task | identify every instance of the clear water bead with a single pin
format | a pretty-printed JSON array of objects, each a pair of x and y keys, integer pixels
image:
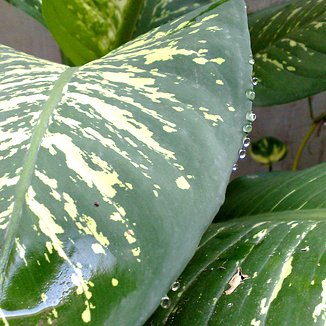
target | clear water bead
[
  {"x": 246, "y": 142},
  {"x": 250, "y": 94},
  {"x": 252, "y": 61},
  {"x": 250, "y": 116},
  {"x": 175, "y": 286},
  {"x": 247, "y": 128},
  {"x": 254, "y": 81},
  {"x": 242, "y": 154},
  {"x": 230, "y": 305},
  {"x": 165, "y": 302},
  {"x": 235, "y": 167}
]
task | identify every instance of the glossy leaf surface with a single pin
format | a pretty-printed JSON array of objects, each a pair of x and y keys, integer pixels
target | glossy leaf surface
[
  {"x": 289, "y": 46},
  {"x": 277, "y": 239},
  {"x": 112, "y": 171},
  {"x": 87, "y": 30},
  {"x": 30, "y": 7}
]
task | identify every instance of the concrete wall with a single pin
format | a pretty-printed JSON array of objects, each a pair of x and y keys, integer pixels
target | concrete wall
[{"x": 287, "y": 122}]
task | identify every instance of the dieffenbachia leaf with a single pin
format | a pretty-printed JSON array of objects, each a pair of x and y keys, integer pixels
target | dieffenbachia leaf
[
  {"x": 30, "y": 7},
  {"x": 276, "y": 233},
  {"x": 289, "y": 46},
  {"x": 156, "y": 13},
  {"x": 268, "y": 150},
  {"x": 111, "y": 172},
  {"x": 87, "y": 30}
]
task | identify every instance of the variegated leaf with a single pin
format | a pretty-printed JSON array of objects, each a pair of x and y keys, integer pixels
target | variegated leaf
[
  {"x": 289, "y": 46},
  {"x": 87, "y": 30},
  {"x": 275, "y": 231},
  {"x": 111, "y": 172},
  {"x": 155, "y": 13}
]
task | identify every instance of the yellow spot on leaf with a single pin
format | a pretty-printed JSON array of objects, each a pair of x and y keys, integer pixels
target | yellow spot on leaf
[
  {"x": 114, "y": 281},
  {"x": 200, "y": 61},
  {"x": 218, "y": 60},
  {"x": 136, "y": 251},
  {"x": 21, "y": 250},
  {"x": 290, "y": 68},
  {"x": 219, "y": 82},
  {"x": 129, "y": 236},
  {"x": 169, "y": 129},
  {"x": 98, "y": 249},
  {"x": 182, "y": 183},
  {"x": 213, "y": 117}
]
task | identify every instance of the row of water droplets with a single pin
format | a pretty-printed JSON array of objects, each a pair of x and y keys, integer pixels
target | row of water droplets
[
  {"x": 250, "y": 116},
  {"x": 165, "y": 301}
]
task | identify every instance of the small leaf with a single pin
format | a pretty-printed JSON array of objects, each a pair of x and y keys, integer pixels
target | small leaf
[
  {"x": 268, "y": 150},
  {"x": 289, "y": 46}
]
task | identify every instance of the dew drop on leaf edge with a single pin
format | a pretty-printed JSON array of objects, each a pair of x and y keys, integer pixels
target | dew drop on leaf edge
[
  {"x": 175, "y": 286},
  {"x": 247, "y": 128},
  {"x": 250, "y": 94},
  {"x": 250, "y": 116},
  {"x": 235, "y": 167},
  {"x": 246, "y": 142},
  {"x": 242, "y": 154},
  {"x": 165, "y": 302}
]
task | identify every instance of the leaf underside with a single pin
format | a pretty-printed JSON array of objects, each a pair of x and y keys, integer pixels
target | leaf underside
[
  {"x": 289, "y": 46},
  {"x": 112, "y": 171},
  {"x": 275, "y": 232}
]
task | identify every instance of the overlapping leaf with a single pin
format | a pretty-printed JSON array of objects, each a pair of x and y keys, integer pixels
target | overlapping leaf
[
  {"x": 277, "y": 237},
  {"x": 289, "y": 46},
  {"x": 87, "y": 30},
  {"x": 156, "y": 13},
  {"x": 112, "y": 171}
]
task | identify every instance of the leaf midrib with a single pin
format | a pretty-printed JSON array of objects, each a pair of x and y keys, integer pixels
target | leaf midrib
[{"x": 29, "y": 165}]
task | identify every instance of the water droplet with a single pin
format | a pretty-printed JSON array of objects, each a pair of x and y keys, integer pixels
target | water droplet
[
  {"x": 252, "y": 61},
  {"x": 246, "y": 142},
  {"x": 165, "y": 302},
  {"x": 230, "y": 305},
  {"x": 250, "y": 116},
  {"x": 247, "y": 128},
  {"x": 254, "y": 81},
  {"x": 245, "y": 7},
  {"x": 235, "y": 167},
  {"x": 175, "y": 286},
  {"x": 242, "y": 154},
  {"x": 250, "y": 94}
]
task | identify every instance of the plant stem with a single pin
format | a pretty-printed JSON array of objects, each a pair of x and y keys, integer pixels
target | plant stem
[{"x": 316, "y": 121}]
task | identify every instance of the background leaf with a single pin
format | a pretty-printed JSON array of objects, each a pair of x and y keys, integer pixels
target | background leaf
[
  {"x": 289, "y": 46},
  {"x": 156, "y": 13},
  {"x": 149, "y": 134},
  {"x": 277, "y": 239},
  {"x": 30, "y": 7},
  {"x": 87, "y": 30}
]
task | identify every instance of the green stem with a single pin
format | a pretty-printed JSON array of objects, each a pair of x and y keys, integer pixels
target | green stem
[
  {"x": 303, "y": 144},
  {"x": 312, "y": 128}
]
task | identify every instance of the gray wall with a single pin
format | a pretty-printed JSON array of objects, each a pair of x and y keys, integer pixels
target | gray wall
[{"x": 287, "y": 122}]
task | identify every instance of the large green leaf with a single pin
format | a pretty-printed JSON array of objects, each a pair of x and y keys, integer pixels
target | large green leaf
[
  {"x": 30, "y": 7},
  {"x": 112, "y": 171},
  {"x": 289, "y": 46},
  {"x": 278, "y": 239},
  {"x": 87, "y": 30}
]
